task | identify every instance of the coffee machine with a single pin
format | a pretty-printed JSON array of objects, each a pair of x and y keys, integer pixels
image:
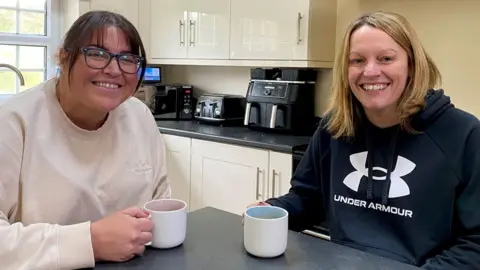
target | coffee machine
[{"x": 281, "y": 100}]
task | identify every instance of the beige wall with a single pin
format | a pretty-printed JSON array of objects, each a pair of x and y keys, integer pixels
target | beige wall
[{"x": 449, "y": 29}]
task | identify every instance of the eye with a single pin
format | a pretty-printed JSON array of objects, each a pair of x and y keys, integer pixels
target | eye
[
  {"x": 386, "y": 59},
  {"x": 97, "y": 54},
  {"x": 355, "y": 61}
]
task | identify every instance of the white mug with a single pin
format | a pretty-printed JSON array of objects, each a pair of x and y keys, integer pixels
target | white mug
[
  {"x": 265, "y": 231},
  {"x": 169, "y": 218}
]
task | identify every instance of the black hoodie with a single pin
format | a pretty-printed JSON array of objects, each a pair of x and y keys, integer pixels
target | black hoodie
[{"x": 412, "y": 198}]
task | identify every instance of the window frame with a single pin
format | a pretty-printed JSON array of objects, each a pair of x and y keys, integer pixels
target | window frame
[{"x": 51, "y": 40}]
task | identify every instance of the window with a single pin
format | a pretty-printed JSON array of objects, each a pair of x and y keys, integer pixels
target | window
[{"x": 29, "y": 36}]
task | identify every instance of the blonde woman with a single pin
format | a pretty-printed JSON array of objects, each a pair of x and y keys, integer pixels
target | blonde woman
[{"x": 395, "y": 168}]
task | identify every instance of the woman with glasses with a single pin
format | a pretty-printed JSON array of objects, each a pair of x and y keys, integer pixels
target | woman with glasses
[{"x": 79, "y": 155}]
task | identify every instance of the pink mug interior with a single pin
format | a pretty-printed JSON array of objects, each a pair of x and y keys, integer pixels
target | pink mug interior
[{"x": 165, "y": 205}]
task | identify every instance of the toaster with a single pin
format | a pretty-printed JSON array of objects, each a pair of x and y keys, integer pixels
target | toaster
[{"x": 222, "y": 109}]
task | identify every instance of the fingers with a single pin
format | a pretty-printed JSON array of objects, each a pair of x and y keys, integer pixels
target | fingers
[
  {"x": 144, "y": 224},
  {"x": 144, "y": 238},
  {"x": 134, "y": 212},
  {"x": 139, "y": 249}
]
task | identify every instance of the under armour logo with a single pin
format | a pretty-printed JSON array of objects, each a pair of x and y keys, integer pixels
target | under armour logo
[{"x": 398, "y": 187}]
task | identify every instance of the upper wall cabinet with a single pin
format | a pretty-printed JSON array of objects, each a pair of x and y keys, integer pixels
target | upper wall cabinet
[
  {"x": 128, "y": 8},
  {"x": 187, "y": 29},
  {"x": 301, "y": 30},
  {"x": 267, "y": 33}
]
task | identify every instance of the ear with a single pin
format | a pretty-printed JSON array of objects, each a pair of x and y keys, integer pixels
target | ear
[{"x": 62, "y": 58}]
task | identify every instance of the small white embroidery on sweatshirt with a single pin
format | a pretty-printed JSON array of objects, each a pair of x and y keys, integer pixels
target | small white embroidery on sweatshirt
[{"x": 140, "y": 167}]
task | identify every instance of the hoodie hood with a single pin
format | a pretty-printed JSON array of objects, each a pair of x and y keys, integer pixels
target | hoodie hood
[{"x": 436, "y": 103}]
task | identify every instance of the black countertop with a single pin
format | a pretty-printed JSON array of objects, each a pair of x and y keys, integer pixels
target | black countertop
[
  {"x": 215, "y": 242},
  {"x": 238, "y": 135}
]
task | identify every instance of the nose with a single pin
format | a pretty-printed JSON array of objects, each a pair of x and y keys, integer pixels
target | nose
[
  {"x": 371, "y": 69},
  {"x": 112, "y": 68}
]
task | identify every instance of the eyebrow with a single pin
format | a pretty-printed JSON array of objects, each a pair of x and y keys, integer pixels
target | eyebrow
[
  {"x": 382, "y": 51},
  {"x": 103, "y": 48}
]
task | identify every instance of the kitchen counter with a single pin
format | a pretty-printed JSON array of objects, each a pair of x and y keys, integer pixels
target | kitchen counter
[
  {"x": 238, "y": 135},
  {"x": 215, "y": 242}
]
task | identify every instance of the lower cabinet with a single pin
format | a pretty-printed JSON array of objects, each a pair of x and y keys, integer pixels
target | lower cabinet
[
  {"x": 224, "y": 176},
  {"x": 178, "y": 166}
]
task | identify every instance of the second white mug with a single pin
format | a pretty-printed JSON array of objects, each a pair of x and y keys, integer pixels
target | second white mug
[{"x": 265, "y": 231}]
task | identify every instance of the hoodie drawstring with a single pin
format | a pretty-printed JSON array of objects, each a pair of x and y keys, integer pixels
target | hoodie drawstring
[{"x": 390, "y": 164}]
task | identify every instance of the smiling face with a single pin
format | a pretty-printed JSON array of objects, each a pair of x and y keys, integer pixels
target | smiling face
[
  {"x": 378, "y": 70},
  {"x": 102, "y": 90}
]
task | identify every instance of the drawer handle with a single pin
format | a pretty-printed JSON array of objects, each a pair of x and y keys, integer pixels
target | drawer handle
[
  {"x": 299, "y": 19},
  {"x": 258, "y": 195},
  {"x": 273, "y": 184}
]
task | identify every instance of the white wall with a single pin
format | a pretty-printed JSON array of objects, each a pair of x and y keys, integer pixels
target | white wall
[{"x": 449, "y": 29}]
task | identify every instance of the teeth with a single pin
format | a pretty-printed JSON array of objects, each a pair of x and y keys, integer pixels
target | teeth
[
  {"x": 107, "y": 85},
  {"x": 374, "y": 87}
]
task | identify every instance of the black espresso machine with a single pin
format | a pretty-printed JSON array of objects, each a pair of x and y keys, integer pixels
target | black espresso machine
[{"x": 281, "y": 101}]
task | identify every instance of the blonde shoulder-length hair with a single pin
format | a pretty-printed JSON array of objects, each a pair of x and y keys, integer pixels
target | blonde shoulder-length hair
[{"x": 424, "y": 75}]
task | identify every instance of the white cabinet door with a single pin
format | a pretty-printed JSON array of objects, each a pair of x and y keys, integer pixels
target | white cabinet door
[
  {"x": 128, "y": 8},
  {"x": 208, "y": 28},
  {"x": 227, "y": 177},
  {"x": 269, "y": 29},
  {"x": 178, "y": 166},
  {"x": 168, "y": 28},
  {"x": 280, "y": 174}
]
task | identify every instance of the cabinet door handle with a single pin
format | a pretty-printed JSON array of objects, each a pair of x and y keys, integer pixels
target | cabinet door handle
[
  {"x": 258, "y": 195},
  {"x": 299, "y": 20},
  {"x": 192, "y": 36},
  {"x": 182, "y": 31},
  {"x": 273, "y": 183}
]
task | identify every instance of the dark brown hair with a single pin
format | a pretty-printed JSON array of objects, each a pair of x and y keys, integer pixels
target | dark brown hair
[{"x": 93, "y": 23}]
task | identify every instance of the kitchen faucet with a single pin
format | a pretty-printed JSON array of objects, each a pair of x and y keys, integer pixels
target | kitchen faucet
[{"x": 22, "y": 81}]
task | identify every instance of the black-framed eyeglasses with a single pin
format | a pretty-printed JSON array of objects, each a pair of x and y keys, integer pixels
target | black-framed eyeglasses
[{"x": 98, "y": 58}]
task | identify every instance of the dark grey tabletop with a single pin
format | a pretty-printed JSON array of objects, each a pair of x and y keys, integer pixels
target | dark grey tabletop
[
  {"x": 238, "y": 135},
  {"x": 215, "y": 242}
]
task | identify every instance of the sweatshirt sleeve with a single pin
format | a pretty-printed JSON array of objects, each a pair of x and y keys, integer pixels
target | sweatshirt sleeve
[
  {"x": 464, "y": 253},
  {"x": 303, "y": 202},
  {"x": 36, "y": 246},
  {"x": 162, "y": 188}
]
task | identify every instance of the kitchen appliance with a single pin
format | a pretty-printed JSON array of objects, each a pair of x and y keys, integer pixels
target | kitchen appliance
[
  {"x": 220, "y": 109},
  {"x": 173, "y": 102},
  {"x": 281, "y": 100},
  {"x": 320, "y": 227},
  {"x": 146, "y": 91}
]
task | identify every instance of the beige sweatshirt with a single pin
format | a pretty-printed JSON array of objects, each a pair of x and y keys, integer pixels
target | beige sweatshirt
[{"x": 55, "y": 178}]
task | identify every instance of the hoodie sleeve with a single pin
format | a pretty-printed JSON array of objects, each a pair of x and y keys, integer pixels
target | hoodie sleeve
[
  {"x": 464, "y": 253},
  {"x": 36, "y": 246},
  {"x": 304, "y": 199}
]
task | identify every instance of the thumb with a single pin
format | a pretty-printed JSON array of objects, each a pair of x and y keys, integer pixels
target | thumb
[{"x": 134, "y": 212}]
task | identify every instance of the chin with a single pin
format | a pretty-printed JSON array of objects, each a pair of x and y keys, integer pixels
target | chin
[{"x": 107, "y": 104}]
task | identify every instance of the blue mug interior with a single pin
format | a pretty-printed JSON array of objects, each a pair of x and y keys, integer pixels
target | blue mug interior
[{"x": 265, "y": 212}]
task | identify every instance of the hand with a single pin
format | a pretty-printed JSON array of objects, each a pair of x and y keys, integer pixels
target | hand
[
  {"x": 255, "y": 204},
  {"x": 121, "y": 236}
]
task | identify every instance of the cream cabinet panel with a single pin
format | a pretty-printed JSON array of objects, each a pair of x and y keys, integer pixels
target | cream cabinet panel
[
  {"x": 167, "y": 28},
  {"x": 178, "y": 165},
  {"x": 227, "y": 177},
  {"x": 209, "y": 28},
  {"x": 280, "y": 174},
  {"x": 273, "y": 29},
  {"x": 128, "y": 8},
  {"x": 283, "y": 30},
  {"x": 182, "y": 29}
]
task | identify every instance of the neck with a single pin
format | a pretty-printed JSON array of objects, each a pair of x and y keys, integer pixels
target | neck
[
  {"x": 81, "y": 115},
  {"x": 383, "y": 119}
]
